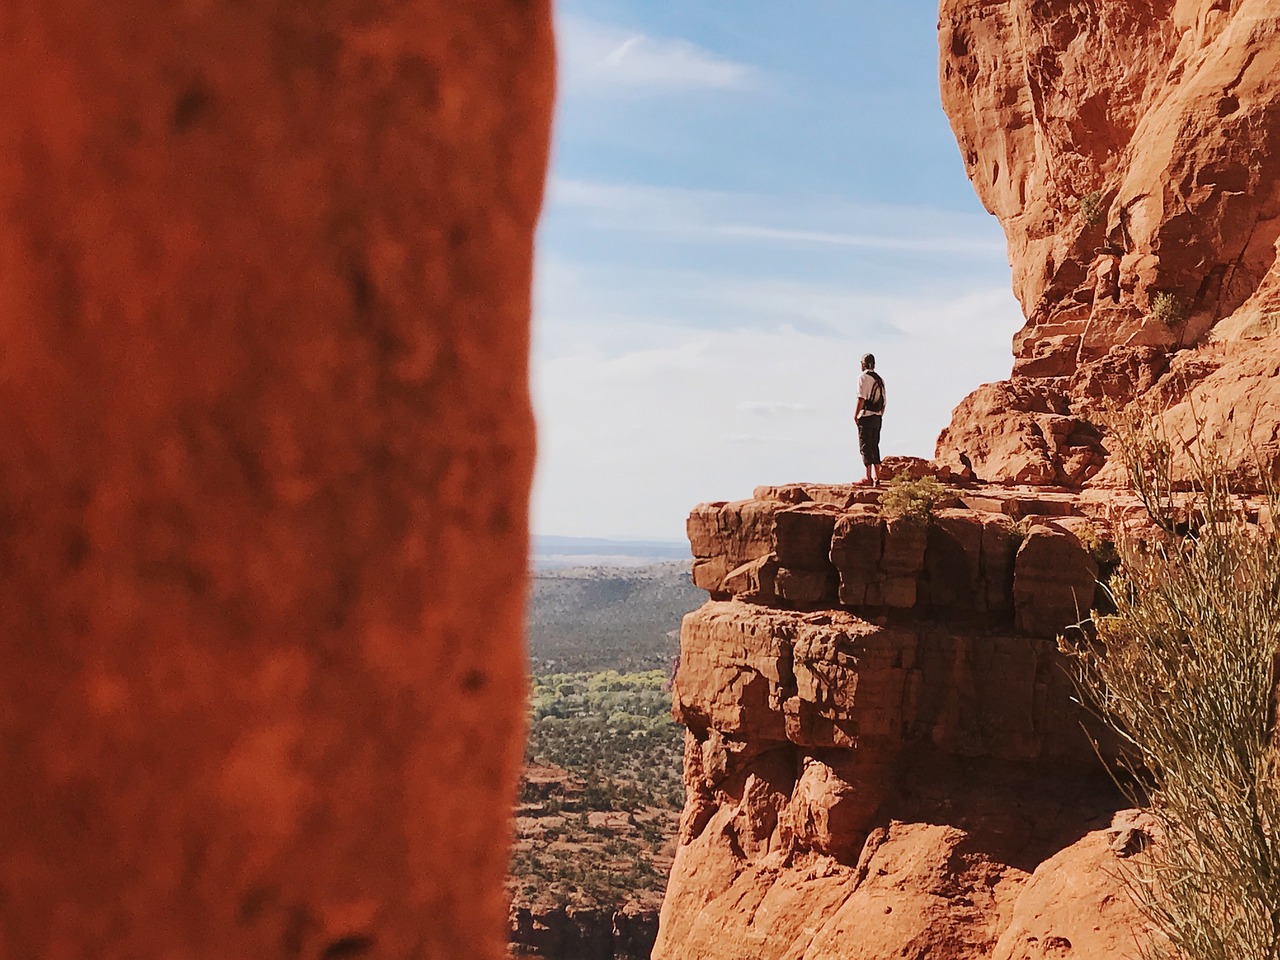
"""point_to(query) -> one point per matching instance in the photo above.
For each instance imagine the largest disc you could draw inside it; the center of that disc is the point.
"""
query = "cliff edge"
(883, 755)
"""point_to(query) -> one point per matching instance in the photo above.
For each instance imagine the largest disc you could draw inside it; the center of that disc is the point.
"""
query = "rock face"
(264, 301)
(1131, 151)
(882, 755)
(895, 767)
(591, 933)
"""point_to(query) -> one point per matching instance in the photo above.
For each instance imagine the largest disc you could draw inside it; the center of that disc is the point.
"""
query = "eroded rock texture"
(883, 758)
(264, 297)
(1131, 150)
(893, 765)
(1137, 140)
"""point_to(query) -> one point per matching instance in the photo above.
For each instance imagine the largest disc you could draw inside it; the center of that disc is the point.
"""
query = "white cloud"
(773, 408)
(599, 60)
(707, 215)
(641, 419)
(692, 344)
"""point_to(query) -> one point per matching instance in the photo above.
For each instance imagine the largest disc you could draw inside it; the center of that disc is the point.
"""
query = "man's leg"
(863, 446)
(872, 457)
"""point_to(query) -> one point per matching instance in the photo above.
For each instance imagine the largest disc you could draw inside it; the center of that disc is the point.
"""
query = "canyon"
(885, 753)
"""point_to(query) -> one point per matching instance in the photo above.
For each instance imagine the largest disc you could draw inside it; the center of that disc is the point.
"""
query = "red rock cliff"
(883, 757)
(1131, 151)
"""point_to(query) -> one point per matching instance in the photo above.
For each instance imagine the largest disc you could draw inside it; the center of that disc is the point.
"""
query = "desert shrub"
(1093, 206)
(1184, 671)
(1168, 309)
(1100, 548)
(907, 499)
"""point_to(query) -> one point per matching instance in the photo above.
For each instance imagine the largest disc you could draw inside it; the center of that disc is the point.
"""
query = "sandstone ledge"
(883, 754)
(1014, 558)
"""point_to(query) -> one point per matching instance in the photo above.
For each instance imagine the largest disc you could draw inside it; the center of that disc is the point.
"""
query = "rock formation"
(1131, 150)
(264, 299)
(883, 755)
(584, 933)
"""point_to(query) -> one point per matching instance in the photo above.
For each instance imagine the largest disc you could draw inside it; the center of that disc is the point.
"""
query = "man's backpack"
(875, 402)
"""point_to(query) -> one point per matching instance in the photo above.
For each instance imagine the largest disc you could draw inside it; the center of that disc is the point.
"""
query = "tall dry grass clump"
(1185, 671)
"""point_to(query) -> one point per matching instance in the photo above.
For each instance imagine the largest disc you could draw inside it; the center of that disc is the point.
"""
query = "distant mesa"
(556, 551)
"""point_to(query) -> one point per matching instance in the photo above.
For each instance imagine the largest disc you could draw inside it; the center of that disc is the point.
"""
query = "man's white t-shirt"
(866, 384)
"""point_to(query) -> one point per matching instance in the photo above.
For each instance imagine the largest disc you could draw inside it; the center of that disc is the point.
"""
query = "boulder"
(739, 546)
(1021, 431)
(724, 536)
(835, 802)
(1054, 581)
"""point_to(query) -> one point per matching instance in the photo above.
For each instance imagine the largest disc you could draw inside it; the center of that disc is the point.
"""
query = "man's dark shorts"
(869, 438)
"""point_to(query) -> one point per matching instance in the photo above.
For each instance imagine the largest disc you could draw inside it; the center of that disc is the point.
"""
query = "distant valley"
(602, 789)
(601, 616)
(551, 552)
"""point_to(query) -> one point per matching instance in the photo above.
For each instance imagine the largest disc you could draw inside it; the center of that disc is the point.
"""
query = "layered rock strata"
(883, 756)
(1131, 151)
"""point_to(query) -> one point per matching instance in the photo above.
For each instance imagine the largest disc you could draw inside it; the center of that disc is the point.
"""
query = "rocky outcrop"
(1022, 431)
(583, 933)
(1131, 150)
(893, 765)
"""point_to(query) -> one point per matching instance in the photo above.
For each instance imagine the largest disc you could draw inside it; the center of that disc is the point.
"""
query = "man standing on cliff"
(869, 415)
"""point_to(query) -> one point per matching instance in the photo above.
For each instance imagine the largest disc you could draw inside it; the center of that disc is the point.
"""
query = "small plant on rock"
(1168, 309)
(1101, 549)
(912, 500)
(1092, 206)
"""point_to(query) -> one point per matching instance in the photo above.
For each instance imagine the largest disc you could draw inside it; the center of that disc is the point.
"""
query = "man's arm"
(858, 409)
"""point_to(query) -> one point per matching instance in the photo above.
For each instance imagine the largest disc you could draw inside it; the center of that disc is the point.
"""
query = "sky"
(746, 196)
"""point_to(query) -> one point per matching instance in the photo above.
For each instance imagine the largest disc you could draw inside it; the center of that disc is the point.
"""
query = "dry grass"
(1185, 672)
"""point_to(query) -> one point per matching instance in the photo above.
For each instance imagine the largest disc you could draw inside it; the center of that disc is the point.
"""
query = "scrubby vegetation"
(609, 618)
(613, 729)
(1100, 548)
(603, 790)
(601, 800)
(1093, 206)
(1185, 671)
(1168, 309)
(911, 500)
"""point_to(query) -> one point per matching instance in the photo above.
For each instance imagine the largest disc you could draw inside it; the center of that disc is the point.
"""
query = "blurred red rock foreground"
(264, 302)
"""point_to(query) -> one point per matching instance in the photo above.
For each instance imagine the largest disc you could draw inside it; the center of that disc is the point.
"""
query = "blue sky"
(744, 198)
